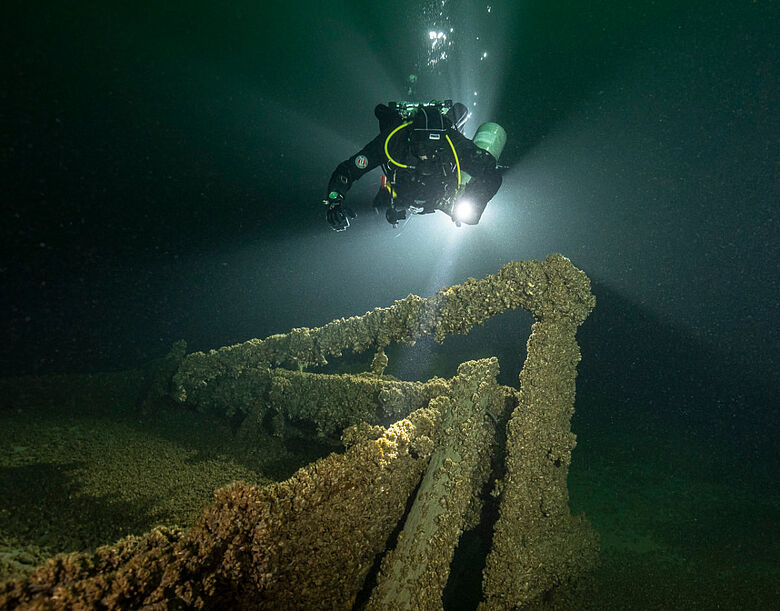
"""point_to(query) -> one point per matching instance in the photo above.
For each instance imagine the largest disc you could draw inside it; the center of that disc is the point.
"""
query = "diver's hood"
(458, 114)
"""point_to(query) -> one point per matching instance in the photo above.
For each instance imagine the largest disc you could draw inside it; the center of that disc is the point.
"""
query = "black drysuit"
(425, 184)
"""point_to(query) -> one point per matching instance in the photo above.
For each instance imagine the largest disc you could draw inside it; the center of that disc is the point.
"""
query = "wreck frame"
(399, 497)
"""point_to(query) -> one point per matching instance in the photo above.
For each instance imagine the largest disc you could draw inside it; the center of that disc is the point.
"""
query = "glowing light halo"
(464, 210)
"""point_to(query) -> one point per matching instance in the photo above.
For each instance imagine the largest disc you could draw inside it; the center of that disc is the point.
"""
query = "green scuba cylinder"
(492, 138)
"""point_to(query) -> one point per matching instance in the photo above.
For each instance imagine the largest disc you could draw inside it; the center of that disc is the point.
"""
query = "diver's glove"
(337, 215)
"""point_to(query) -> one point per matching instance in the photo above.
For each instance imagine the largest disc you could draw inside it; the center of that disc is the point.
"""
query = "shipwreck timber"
(312, 541)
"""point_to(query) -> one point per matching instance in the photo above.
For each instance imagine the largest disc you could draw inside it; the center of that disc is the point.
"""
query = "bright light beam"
(470, 69)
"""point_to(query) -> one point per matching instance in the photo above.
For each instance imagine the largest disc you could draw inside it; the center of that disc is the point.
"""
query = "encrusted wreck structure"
(376, 525)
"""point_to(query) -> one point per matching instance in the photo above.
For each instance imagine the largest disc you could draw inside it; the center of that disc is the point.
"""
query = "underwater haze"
(164, 166)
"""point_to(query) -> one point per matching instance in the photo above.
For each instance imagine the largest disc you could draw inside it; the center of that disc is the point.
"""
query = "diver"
(428, 165)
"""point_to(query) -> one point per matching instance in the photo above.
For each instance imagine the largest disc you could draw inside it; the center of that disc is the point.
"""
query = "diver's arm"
(485, 176)
(352, 169)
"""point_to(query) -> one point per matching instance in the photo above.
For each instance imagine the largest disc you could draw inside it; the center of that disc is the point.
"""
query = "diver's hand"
(337, 215)
(393, 215)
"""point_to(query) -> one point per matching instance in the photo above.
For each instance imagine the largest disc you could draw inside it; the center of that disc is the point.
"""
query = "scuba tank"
(492, 138)
(406, 110)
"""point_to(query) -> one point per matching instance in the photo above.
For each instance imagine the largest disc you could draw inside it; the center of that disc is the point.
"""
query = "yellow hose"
(457, 161)
(392, 133)
(401, 165)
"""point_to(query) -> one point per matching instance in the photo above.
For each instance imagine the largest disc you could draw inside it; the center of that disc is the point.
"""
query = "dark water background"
(163, 166)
